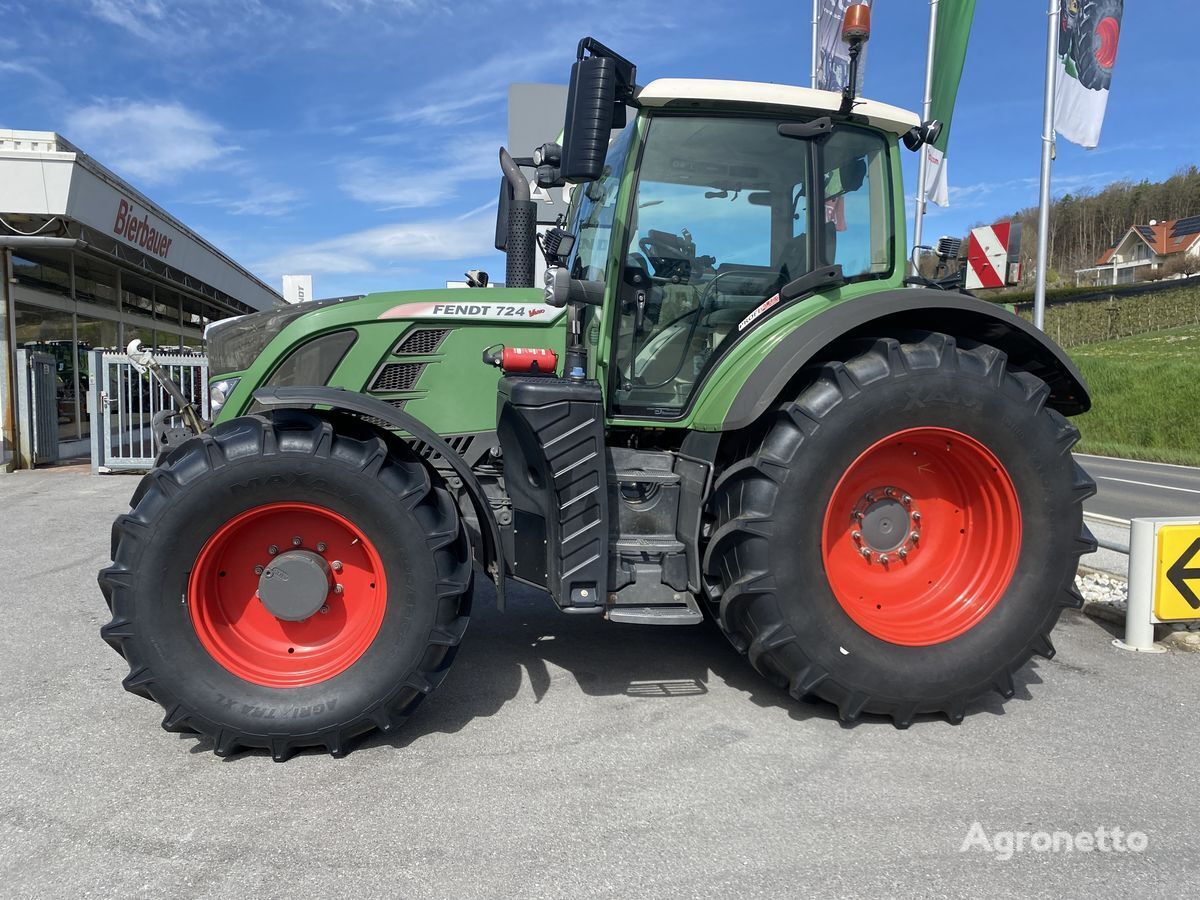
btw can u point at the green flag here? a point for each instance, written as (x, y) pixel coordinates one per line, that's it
(954, 19)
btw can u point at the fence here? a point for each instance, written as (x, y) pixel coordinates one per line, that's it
(124, 403)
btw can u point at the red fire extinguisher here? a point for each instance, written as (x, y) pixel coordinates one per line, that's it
(522, 360)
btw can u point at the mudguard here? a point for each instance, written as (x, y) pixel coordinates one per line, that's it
(888, 313)
(362, 405)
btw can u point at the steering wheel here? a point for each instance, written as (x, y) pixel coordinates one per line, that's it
(671, 255)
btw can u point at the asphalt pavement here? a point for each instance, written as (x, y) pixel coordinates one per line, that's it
(570, 757)
(1130, 488)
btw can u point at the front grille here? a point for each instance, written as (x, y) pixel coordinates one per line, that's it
(396, 377)
(421, 342)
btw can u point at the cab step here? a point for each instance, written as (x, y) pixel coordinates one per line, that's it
(660, 614)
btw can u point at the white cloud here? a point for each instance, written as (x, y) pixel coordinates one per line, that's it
(152, 142)
(372, 249)
(433, 180)
(258, 199)
(141, 18)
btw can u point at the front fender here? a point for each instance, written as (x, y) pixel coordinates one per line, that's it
(894, 312)
(361, 405)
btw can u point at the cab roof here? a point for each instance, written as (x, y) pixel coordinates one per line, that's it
(684, 92)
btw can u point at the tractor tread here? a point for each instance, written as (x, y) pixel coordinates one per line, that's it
(744, 494)
(408, 478)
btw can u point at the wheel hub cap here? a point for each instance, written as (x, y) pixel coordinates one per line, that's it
(287, 618)
(921, 536)
(295, 585)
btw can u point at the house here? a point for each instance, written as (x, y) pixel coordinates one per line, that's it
(1143, 251)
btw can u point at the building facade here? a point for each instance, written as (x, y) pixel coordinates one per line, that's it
(89, 262)
(1142, 252)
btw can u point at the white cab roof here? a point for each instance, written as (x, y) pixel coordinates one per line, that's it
(686, 91)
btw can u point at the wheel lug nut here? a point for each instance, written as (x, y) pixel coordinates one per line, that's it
(858, 515)
(906, 499)
(296, 542)
(915, 536)
(337, 588)
(272, 550)
(258, 570)
(324, 609)
(857, 535)
(916, 516)
(889, 492)
(321, 547)
(884, 559)
(336, 565)
(866, 553)
(903, 553)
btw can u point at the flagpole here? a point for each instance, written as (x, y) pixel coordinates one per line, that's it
(816, 19)
(1043, 247)
(926, 112)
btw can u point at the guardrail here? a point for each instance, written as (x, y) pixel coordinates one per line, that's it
(1103, 543)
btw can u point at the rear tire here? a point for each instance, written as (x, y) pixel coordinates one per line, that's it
(186, 560)
(786, 582)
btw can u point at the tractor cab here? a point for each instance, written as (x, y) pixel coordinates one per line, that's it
(692, 216)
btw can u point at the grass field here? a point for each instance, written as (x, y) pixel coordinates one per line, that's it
(1146, 396)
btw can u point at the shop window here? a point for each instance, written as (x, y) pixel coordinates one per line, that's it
(95, 283)
(43, 273)
(137, 295)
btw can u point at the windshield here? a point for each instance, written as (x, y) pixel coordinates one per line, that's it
(727, 211)
(593, 210)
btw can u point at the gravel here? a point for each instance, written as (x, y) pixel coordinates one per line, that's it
(1106, 597)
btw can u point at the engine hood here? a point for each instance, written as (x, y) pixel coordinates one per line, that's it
(234, 344)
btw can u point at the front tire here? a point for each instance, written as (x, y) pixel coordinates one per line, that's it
(376, 574)
(905, 534)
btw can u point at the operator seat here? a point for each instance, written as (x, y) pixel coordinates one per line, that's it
(793, 258)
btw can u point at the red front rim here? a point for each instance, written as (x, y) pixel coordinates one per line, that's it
(1108, 36)
(238, 630)
(921, 536)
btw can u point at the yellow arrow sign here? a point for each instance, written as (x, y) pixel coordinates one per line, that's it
(1177, 580)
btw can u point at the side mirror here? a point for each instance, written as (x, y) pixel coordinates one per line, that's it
(589, 121)
(601, 85)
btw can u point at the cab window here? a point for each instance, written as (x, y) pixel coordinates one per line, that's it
(722, 218)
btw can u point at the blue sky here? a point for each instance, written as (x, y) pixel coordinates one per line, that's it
(356, 139)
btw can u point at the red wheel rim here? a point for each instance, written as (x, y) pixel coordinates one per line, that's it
(242, 634)
(921, 536)
(1108, 36)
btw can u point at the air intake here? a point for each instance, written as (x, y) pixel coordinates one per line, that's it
(396, 377)
(420, 342)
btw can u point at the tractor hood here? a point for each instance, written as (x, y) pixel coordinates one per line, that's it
(419, 350)
(235, 344)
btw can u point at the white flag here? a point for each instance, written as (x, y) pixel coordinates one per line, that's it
(833, 54)
(937, 184)
(1087, 52)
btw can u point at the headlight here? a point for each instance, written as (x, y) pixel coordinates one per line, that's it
(219, 393)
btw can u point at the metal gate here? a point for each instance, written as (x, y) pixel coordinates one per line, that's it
(37, 407)
(125, 401)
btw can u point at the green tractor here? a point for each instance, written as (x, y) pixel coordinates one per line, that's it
(729, 400)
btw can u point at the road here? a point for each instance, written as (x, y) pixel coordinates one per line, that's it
(569, 757)
(1129, 488)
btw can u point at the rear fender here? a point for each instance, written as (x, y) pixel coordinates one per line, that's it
(491, 553)
(894, 312)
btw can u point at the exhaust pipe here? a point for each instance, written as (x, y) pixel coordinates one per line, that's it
(522, 227)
